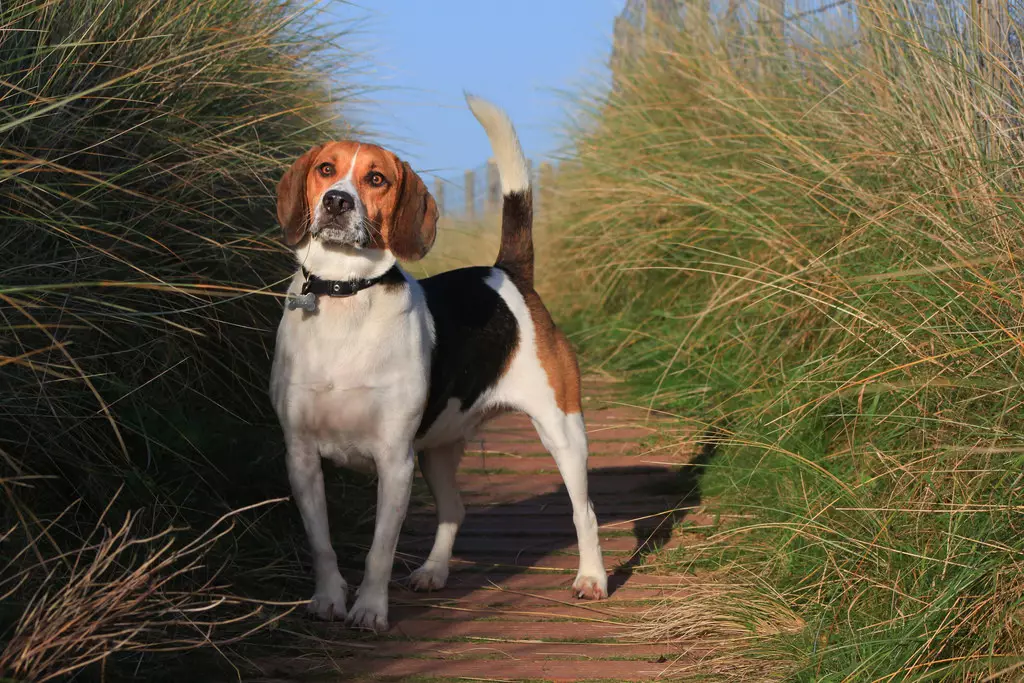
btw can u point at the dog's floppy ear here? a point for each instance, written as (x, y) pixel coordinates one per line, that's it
(292, 207)
(414, 221)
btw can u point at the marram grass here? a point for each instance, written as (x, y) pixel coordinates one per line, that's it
(817, 250)
(140, 142)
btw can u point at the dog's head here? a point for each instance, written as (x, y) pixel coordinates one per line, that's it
(359, 196)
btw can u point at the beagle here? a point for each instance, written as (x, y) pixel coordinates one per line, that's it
(373, 367)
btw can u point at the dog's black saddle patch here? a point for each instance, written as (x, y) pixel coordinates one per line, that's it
(476, 335)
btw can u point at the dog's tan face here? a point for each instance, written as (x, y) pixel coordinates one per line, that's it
(360, 196)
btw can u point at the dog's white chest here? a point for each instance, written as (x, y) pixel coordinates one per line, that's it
(330, 392)
(353, 375)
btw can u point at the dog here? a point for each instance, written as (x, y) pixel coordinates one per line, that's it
(374, 368)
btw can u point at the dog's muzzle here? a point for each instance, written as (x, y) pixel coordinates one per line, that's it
(339, 222)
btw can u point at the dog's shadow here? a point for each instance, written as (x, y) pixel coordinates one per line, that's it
(500, 543)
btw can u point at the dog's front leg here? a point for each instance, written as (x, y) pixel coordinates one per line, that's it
(307, 479)
(394, 486)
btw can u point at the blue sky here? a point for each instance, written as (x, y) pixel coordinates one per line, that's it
(523, 55)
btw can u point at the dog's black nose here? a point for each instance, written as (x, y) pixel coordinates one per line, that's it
(338, 202)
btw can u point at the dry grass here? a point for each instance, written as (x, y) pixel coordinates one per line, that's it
(719, 625)
(461, 242)
(139, 150)
(815, 246)
(122, 590)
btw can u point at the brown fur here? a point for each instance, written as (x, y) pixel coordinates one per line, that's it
(410, 227)
(515, 255)
(292, 206)
(402, 211)
(555, 354)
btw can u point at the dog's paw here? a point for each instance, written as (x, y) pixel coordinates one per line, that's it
(369, 612)
(329, 606)
(329, 601)
(429, 577)
(591, 587)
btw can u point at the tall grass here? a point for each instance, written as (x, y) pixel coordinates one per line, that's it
(461, 242)
(815, 246)
(140, 142)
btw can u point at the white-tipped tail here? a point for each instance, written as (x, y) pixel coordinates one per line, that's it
(515, 255)
(508, 154)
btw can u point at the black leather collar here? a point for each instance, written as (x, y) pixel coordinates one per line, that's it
(343, 288)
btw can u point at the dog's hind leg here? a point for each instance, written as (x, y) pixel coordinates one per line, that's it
(438, 466)
(565, 437)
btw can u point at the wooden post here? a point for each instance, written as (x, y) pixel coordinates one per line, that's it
(493, 187)
(698, 20)
(991, 19)
(469, 184)
(734, 39)
(623, 48)
(439, 195)
(546, 182)
(991, 23)
(771, 30)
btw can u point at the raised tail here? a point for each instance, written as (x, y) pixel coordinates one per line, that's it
(516, 253)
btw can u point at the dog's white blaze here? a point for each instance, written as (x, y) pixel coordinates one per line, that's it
(352, 166)
(345, 184)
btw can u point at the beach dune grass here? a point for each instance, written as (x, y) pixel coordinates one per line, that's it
(813, 247)
(140, 143)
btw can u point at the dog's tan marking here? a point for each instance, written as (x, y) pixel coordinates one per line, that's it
(555, 354)
(402, 213)
(293, 210)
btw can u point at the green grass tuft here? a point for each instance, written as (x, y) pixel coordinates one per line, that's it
(816, 248)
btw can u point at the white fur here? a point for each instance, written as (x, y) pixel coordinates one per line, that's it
(342, 263)
(350, 382)
(508, 154)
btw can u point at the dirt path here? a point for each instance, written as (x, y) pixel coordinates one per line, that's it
(507, 613)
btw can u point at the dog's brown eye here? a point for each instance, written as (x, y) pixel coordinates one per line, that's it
(375, 179)
(326, 170)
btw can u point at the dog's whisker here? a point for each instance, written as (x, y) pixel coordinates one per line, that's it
(371, 227)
